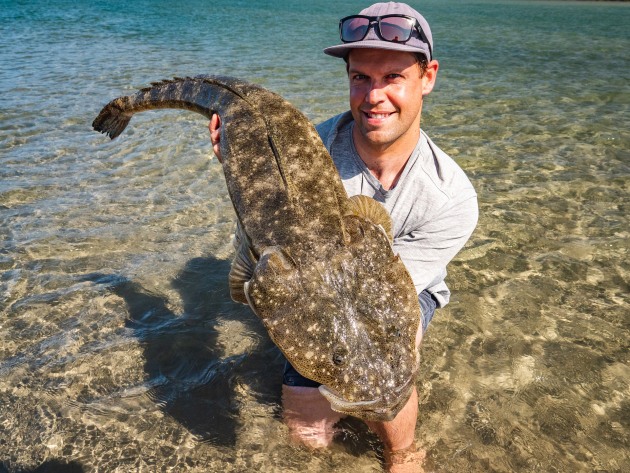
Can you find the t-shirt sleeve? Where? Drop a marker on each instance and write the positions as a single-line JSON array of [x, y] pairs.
[[432, 245]]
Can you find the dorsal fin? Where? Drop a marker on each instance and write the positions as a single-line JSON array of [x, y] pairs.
[[242, 268], [369, 209]]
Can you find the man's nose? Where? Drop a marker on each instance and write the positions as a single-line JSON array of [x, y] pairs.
[[375, 94]]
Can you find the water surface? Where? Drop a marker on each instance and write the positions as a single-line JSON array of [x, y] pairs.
[[120, 349]]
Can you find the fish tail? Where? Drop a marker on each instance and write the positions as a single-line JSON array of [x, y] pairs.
[[112, 120]]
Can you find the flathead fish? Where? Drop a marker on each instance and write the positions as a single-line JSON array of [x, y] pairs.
[[316, 266]]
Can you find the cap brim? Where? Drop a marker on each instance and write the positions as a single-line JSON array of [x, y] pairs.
[[342, 50]]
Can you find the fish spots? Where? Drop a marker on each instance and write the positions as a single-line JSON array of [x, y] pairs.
[[344, 286], [343, 295]]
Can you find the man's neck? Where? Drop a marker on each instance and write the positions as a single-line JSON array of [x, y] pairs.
[[386, 162]]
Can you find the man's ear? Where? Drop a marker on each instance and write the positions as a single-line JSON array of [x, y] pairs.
[[429, 77]]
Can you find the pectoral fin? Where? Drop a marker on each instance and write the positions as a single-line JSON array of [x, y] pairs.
[[274, 285], [371, 210], [242, 268]]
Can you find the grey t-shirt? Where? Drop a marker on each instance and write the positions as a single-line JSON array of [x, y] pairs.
[[433, 205]]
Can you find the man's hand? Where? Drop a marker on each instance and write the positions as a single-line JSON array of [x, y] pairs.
[[215, 135]]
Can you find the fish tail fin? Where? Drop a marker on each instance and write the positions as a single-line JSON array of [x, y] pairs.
[[112, 120]]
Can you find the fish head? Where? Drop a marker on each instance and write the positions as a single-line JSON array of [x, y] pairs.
[[347, 319]]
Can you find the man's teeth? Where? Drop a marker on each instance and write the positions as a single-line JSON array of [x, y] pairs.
[[378, 115]]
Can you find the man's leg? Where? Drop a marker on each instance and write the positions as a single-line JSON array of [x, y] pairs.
[[397, 436], [309, 416], [306, 412]]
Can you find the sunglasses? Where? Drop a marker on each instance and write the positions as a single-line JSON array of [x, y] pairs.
[[392, 28]]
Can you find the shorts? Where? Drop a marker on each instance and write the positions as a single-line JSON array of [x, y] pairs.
[[428, 304]]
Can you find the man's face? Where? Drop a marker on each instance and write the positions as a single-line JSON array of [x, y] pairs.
[[386, 90]]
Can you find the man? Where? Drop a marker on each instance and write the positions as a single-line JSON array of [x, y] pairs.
[[380, 151]]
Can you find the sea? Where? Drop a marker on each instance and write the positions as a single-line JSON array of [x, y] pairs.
[[120, 348]]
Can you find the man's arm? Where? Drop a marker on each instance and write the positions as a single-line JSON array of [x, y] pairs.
[[427, 250]]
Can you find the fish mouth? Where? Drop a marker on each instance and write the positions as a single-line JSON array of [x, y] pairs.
[[378, 409]]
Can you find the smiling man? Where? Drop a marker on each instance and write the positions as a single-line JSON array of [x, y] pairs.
[[380, 151]]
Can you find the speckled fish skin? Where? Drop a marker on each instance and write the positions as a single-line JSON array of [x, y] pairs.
[[324, 281]]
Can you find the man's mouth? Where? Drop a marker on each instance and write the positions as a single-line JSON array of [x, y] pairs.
[[377, 115]]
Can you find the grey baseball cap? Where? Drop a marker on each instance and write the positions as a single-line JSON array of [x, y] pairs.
[[418, 43]]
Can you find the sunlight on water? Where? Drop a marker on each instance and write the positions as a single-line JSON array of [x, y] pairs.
[[120, 349]]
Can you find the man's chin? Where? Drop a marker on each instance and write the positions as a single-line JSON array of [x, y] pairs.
[[376, 136]]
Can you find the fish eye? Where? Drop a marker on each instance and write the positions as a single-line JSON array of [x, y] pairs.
[[339, 355], [394, 331]]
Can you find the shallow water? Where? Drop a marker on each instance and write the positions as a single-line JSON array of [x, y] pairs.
[[120, 349]]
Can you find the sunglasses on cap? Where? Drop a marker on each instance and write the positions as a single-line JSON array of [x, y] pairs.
[[391, 28]]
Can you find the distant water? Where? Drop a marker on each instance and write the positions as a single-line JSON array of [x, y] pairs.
[[120, 350]]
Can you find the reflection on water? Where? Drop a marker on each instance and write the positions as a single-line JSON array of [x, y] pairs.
[[120, 349]]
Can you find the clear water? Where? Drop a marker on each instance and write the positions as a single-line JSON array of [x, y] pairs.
[[120, 349]]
